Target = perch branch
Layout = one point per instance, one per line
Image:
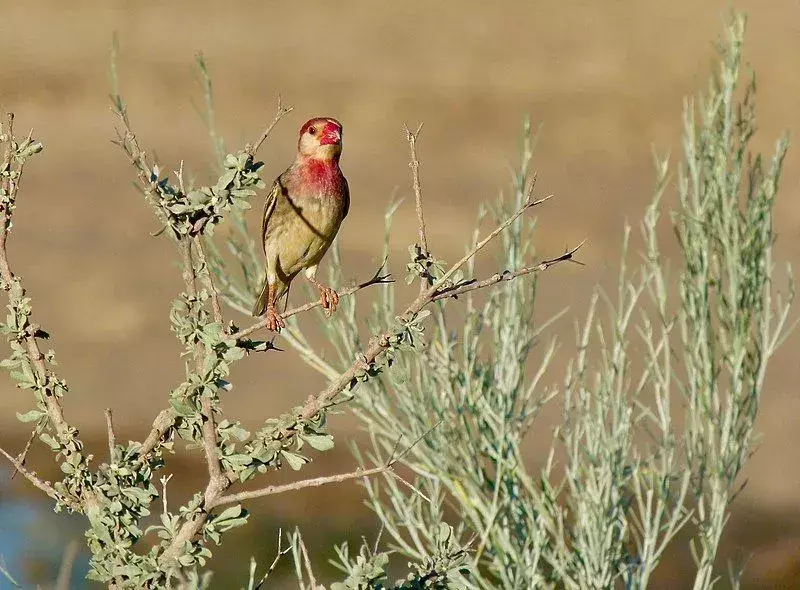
(377, 279)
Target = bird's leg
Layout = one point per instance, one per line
(274, 320)
(327, 296)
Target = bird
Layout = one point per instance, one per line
(302, 215)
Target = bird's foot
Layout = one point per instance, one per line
(329, 299)
(274, 320)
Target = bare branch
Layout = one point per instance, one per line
(281, 552)
(380, 342)
(282, 110)
(411, 137)
(313, 482)
(24, 454)
(112, 438)
(39, 483)
(164, 481)
(507, 275)
(529, 203)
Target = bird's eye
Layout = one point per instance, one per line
(312, 130)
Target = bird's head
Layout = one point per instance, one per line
(321, 139)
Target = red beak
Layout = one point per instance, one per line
(331, 137)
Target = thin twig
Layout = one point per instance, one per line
(411, 137)
(466, 287)
(281, 552)
(528, 204)
(24, 454)
(164, 481)
(9, 153)
(313, 482)
(7, 574)
(282, 110)
(378, 279)
(300, 485)
(112, 438)
(39, 483)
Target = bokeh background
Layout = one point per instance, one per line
(604, 79)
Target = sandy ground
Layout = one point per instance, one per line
(605, 80)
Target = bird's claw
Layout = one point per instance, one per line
(329, 299)
(274, 320)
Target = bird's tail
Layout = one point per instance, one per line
(261, 301)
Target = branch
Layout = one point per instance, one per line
(300, 485)
(53, 407)
(39, 483)
(209, 281)
(162, 425)
(112, 438)
(138, 159)
(282, 110)
(210, 444)
(280, 553)
(472, 285)
(24, 454)
(377, 279)
(529, 203)
(414, 165)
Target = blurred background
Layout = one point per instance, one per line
(605, 80)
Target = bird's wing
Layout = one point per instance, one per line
(269, 208)
(346, 198)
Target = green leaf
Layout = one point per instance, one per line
(226, 179)
(295, 461)
(320, 442)
(30, 416)
(228, 513)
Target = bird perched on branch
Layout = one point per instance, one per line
(302, 215)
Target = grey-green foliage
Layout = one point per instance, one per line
(658, 402)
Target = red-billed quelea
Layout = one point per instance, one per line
(302, 215)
